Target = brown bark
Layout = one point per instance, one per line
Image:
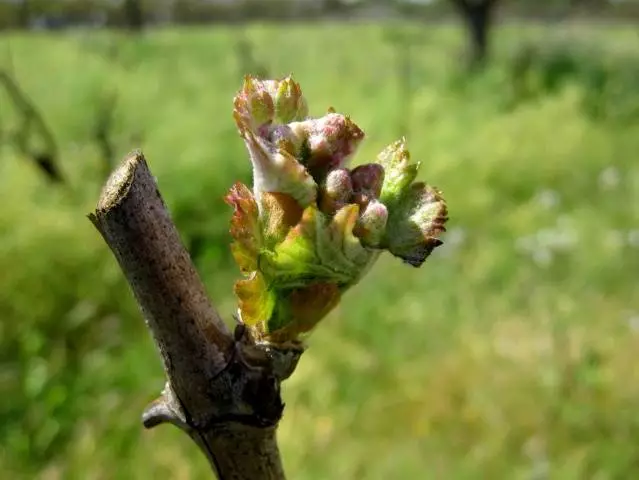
(222, 389)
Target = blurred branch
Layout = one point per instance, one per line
(102, 130)
(223, 390)
(32, 125)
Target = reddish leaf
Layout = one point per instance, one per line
(280, 212)
(256, 302)
(244, 227)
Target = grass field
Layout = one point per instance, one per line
(513, 353)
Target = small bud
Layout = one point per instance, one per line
(254, 104)
(337, 191)
(338, 184)
(371, 225)
(290, 105)
(318, 248)
(261, 108)
(262, 102)
(330, 141)
(367, 183)
(400, 173)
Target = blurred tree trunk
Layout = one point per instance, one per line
(478, 15)
(24, 14)
(133, 15)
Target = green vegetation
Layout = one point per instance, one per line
(513, 351)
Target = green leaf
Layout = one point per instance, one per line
(256, 301)
(414, 223)
(399, 172)
(318, 249)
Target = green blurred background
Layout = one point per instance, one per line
(513, 353)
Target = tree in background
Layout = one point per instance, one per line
(478, 16)
(24, 13)
(133, 14)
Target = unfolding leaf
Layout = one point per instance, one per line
(415, 222)
(399, 172)
(318, 249)
(280, 212)
(256, 301)
(291, 262)
(276, 170)
(338, 246)
(245, 228)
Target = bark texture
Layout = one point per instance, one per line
(222, 389)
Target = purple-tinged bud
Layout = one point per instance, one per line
(330, 141)
(368, 179)
(367, 183)
(336, 135)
